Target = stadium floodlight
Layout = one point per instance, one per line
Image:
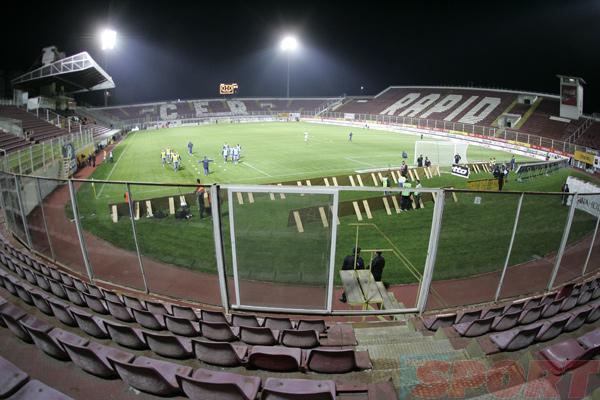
(288, 45)
(108, 38)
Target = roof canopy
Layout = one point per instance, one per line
(78, 73)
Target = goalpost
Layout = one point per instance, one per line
(441, 152)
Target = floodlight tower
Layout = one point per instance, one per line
(108, 40)
(288, 45)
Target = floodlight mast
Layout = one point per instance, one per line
(288, 45)
(108, 39)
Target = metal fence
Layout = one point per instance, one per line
(37, 156)
(280, 248)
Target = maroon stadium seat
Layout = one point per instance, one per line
(223, 354)
(577, 318)
(333, 361)
(149, 320)
(258, 335)
(564, 355)
(156, 307)
(311, 324)
(150, 375)
(182, 326)
(278, 324)
(244, 320)
(36, 390)
(517, 338)
(439, 321)
(206, 384)
(93, 358)
(11, 378)
(40, 300)
(477, 327)
(306, 339)
(288, 389)
(169, 345)
(552, 308)
(90, 324)
(275, 358)
(133, 302)
(552, 327)
(219, 331)
(62, 312)
(184, 312)
(119, 311)
(23, 291)
(95, 303)
(49, 343)
(213, 316)
(57, 288)
(75, 296)
(125, 335)
(530, 315)
(13, 315)
(112, 296)
(506, 321)
(467, 316)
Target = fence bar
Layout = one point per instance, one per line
(137, 247)
(84, 252)
(434, 236)
(41, 200)
(589, 254)
(563, 242)
(215, 210)
(22, 210)
(510, 245)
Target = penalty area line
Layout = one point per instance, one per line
(254, 168)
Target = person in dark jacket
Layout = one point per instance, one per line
(348, 265)
(377, 266)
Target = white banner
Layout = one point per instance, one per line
(349, 116)
(588, 203)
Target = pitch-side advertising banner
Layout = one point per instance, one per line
(460, 170)
(588, 203)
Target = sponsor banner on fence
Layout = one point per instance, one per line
(588, 203)
(582, 156)
(460, 170)
(349, 116)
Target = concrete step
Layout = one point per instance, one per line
(398, 355)
(539, 389)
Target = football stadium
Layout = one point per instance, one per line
(207, 235)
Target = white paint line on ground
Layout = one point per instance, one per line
(256, 169)
(359, 162)
(114, 166)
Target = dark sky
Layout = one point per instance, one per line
(184, 49)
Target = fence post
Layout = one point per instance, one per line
(218, 239)
(563, 242)
(510, 245)
(84, 252)
(434, 236)
(31, 157)
(587, 259)
(137, 247)
(22, 210)
(41, 200)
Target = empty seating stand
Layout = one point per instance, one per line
(11, 378)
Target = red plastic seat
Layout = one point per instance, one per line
(331, 361)
(219, 331)
(149, 320)
(36, 390)
(90, 324)
(289, 389)
(93, 358)
(119, 311)
(258, 335)
(552, 327)
(244, 320)
(169, 345)
(564, 356)
(278, 324)
(311, 324)
(11, 378)
(435, 322)
(306, 339)
(62, 312)
(125, 335)
(477, 327)
(213, 316)
(223, 354)
(275, 358)
(150, 375)
(182, 326)
(517, 338)
(206, 384)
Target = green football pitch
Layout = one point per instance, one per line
(277, 152)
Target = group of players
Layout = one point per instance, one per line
(231, 153)
(169, 156)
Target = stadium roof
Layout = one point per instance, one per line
(78, 73)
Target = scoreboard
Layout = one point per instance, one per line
(228, 88)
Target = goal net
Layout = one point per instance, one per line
(441, 152)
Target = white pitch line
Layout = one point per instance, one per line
(253, 167)
(114, 166)
(358, 161)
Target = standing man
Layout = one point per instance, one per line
(350, 137)
(225, 152)
(500, 176)
(417, 195)
(420, 161)
(427, 162)
(190, 147)
(405, 201)
(205, 162)
(377, 266)
(457, 158)
(200, 197)
(110, 156)
(565, 197)
(349, 262)
(163, 157)
(513, 163)
(306, 137)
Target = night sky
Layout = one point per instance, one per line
(180, 50)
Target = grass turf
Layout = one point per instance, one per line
(269, 248)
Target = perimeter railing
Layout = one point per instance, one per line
(280, 248)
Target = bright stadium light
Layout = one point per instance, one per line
(288, 45)
(108, 38)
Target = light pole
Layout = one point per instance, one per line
(288, 45)
(108, 40)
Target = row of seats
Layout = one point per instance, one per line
(39, 129)
(17, 385)
(10, 142)
(572, 353)
(161, 377)
(214, 347)
(478, 322)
